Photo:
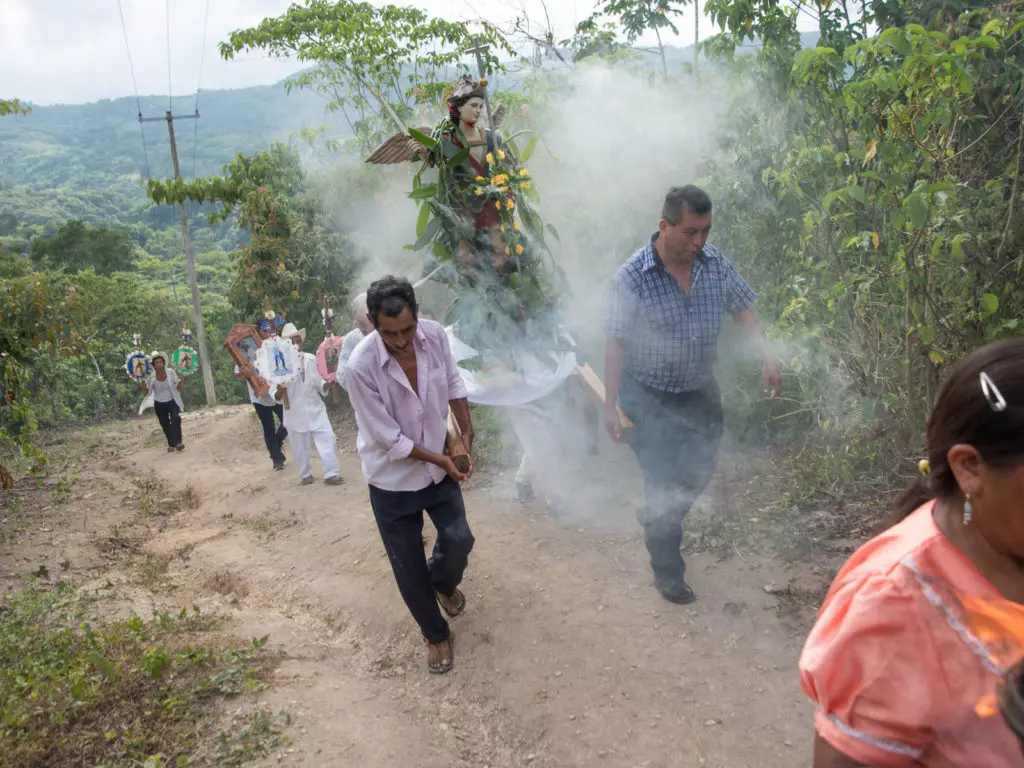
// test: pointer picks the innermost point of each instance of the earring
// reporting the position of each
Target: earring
(968, 511)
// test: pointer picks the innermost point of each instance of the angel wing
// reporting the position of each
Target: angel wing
(497, 116)
(400, 148)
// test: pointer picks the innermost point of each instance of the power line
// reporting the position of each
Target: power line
(135, 86)
(167, 13)
(199, 84)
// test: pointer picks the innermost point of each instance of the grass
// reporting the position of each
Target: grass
(78, 690)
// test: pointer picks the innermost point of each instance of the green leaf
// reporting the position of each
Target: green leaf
(428, 234)
(531, 145)
(554, 232)
(958, 248)
(917, 207)
(936, 357)
(424, 192)
(442, 252)
(941, 186)
(989, 304)
(827, 200)
(926, 334)
(422, 220)
(459, 158)
(856, 193)
(422, 138)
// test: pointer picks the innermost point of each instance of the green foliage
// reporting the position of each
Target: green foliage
(77, 246)
(363, 54)
(76, 689)
(13, 107)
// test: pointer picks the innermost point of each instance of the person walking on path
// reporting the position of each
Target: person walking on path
(667, 305)
(893, 663)
(305, 418)
(402, 380)
(266, 408)
(351, 340)
(163, 393)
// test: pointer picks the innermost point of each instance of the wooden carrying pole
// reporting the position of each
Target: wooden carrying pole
(455, 445)
(594, 387)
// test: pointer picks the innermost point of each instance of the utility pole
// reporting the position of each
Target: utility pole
(197, 307)
(696, 31)
(478, 49)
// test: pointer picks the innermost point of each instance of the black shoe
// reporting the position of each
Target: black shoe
(278, 464)
(677, 592)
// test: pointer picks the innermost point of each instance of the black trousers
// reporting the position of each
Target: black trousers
(676, 443)
(272, 436)
(169, 416)
(399, 516)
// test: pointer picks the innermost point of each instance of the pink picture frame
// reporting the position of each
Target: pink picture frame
(328, 357)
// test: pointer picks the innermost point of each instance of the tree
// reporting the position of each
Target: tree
(13, 107)
(296, 256)
(77, 246)
(636, 17)
(373, 63)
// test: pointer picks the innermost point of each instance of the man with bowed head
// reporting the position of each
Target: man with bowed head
(666, 310)
(402, 380)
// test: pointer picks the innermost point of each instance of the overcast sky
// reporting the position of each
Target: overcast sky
(73, 51)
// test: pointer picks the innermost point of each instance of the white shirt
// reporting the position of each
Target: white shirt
(348, 345)
(172, 379)
(267, 399)
(306, 411)
(163, 391)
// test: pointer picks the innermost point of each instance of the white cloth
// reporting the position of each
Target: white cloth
(306, 411)
(325, 447)
(538, 378)
(267, 399)
(348, 344)
(172, 379)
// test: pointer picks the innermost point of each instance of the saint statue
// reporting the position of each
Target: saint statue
(486, 235)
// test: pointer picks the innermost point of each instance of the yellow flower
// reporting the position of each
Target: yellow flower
(503, 190)
(509, 204)
(502, 228)
(525, 185)
(524, 172)
(501, 155)
(497, 204)
(519, 249)
(489, 158)
(508, 252)
(515, 224)
(479, 178)
(479, 191)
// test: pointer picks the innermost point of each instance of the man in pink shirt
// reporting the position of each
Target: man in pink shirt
(402, 380)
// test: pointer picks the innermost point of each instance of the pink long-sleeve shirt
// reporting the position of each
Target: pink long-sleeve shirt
(391, 418)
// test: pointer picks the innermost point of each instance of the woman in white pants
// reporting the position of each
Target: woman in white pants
(305, 416)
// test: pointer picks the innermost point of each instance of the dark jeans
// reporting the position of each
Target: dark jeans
(399, 516)
(169, 416)
(273, 437)
(676, 443)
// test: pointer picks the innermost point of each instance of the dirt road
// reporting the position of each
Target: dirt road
(566, 655)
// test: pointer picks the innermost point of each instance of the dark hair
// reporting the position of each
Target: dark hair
(390, 295)
(965, 415)
(688, 199)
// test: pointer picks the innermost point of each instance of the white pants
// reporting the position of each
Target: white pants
(325, 447)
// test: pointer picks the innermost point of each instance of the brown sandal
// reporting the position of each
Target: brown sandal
(460, 607)
(446, 664)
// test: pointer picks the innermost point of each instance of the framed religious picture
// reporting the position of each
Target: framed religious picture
(243, 344)
(138, 366)
(277, 361)
(185, 361)
(327, 356)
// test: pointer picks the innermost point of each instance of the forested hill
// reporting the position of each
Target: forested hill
(87, 161)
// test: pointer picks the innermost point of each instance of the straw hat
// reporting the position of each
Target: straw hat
(155, 354)
(290, 330)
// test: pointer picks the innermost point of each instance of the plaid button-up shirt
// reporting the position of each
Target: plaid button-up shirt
(672, 338)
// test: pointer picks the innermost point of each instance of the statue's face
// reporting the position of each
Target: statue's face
(471, 110)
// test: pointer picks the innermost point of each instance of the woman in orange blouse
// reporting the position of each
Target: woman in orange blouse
(894, 669)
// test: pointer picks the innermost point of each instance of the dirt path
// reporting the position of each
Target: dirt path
(566, 655)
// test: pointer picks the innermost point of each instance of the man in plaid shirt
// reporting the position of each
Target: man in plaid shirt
(665, 313)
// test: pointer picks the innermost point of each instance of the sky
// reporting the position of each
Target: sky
(73, 51)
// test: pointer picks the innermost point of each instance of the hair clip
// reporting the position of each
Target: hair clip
(995, 398)
(924, 467)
